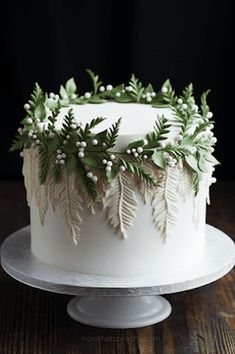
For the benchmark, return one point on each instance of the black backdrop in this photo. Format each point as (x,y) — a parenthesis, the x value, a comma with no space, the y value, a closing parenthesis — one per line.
(50,41)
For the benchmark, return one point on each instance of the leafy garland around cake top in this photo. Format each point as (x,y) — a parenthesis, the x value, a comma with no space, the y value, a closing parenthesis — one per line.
(77,149)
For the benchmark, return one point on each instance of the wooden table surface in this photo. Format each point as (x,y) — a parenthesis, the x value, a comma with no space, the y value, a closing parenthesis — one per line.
(35,321)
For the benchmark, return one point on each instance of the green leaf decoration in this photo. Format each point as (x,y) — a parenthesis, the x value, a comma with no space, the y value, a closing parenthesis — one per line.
(70,86)
(137,88)
(17,144)
(93,160)
(63,92)
(111,174)
(70,163)
(36,97)
(204,105)
(139,171)
(135,144)
(95,81)
(161,129)
(112,134)
(194,147)
(87,184)
(169,96)
(159,159)
(40,111)
(43,163)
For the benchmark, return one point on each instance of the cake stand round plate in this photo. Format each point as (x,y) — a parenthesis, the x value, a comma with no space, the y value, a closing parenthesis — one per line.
(118,302)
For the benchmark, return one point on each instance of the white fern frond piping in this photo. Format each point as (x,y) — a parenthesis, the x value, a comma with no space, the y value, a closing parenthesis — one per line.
(165,203)
(121,203)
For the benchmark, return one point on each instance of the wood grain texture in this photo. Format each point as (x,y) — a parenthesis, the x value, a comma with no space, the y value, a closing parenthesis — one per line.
(35,322)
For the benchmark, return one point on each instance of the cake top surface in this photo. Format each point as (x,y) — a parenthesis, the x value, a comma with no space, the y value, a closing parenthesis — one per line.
(136,118)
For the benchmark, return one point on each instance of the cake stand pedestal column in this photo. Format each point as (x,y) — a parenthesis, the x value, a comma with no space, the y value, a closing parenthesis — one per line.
(118,302)
(119,312)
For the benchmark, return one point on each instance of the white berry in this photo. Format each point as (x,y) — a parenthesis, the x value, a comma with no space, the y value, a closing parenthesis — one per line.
(59,156)
(81,154)
(83,144)
(164,89)
(144,95)
(63,155)
(209,115)
(171,164)
(73,126)
(40,126)
(180,137)
(94,179)
(162,144)
(108,168)
(28,121)
(153,94)
(136,154)
(81,149)
(87,95)
(22,154)
(180,101)
(213,180)
(59,151)
(145,157)
(149,99)
(89,174)
(30,134)
(78,143)
(68,136)
(37,120)
(102,88)
(57,162)
(104,161)
(109,87)
(57,97)
(73,96)
(133,150)
(140,149)
(109,163)
(128,151)
(185,106)
(26,106)
(118,94)
(65,142)
(62,162)
(51,95)
(94,142)
(122,168)
(213,140)
(37,141)
(112,157)
(34,136)
(145,142)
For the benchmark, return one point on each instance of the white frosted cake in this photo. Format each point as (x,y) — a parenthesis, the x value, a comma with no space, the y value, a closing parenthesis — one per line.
(117,179)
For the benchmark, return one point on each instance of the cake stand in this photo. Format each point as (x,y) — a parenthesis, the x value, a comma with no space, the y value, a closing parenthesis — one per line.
(118,302)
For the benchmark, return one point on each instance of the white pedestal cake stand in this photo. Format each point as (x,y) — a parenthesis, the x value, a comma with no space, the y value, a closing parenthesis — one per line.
(117,302)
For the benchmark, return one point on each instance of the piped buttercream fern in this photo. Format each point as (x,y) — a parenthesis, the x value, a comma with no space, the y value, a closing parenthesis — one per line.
(121,203)
(165,203)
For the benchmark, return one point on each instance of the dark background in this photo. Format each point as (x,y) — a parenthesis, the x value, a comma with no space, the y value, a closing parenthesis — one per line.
(186,41)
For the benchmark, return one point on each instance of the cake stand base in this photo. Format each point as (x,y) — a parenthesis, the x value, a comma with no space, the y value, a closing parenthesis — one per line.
(118,302)
(119,312)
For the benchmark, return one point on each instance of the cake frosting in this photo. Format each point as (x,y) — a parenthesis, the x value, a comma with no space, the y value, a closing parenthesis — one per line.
(115,196)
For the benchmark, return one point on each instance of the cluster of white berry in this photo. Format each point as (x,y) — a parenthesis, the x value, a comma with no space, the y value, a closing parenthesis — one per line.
(60,157)
(149,96)
(171,162)
(136,152)
(81,147)
(91,176)
(108,163)
(54,97)
(32,135)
